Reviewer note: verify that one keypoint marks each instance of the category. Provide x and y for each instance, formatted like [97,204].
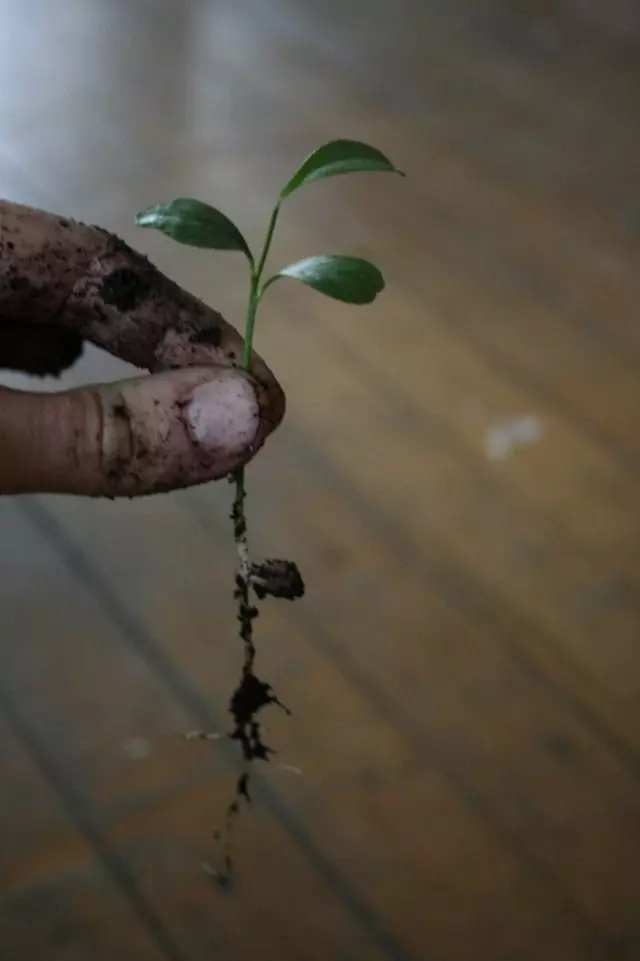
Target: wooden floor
[459,781]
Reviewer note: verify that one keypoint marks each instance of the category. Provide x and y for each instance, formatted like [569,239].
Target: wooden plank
[458,515]
[337,728]
[427,874]
[38,842]
[335,739]
[187,912]
[57,900]
[109,721]
[396,839]
[449,668]
[456,692]
[278,905]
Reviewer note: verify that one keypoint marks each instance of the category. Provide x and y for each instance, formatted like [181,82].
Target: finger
[135,437]
[85,279]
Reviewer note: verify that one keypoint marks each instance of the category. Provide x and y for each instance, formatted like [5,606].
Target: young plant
[348,279]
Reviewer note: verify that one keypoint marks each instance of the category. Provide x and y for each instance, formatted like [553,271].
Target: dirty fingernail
[223,414]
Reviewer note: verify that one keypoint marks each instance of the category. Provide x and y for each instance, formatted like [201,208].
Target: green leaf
[349,279]
[194,223]
[338,157]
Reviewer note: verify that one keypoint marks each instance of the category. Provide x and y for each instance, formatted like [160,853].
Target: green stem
[252,308]
[238,513]
[267,242]
[255,292]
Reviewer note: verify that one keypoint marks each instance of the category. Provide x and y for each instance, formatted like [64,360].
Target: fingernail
[223,414]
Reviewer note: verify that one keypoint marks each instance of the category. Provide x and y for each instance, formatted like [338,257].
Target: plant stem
[252,307]
[255,293]
[267,241]
[246,610]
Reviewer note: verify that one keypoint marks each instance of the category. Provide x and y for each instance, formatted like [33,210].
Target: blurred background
[457,479]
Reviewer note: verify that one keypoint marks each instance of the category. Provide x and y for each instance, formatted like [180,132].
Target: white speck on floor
[502,439]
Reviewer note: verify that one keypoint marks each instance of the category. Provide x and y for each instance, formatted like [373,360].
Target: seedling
[347,279]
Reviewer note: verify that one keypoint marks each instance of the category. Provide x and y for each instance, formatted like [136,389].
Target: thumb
[140,436]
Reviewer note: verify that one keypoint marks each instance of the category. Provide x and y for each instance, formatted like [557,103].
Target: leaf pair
[349,279]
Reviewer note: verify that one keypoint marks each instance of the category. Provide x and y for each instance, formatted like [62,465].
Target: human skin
[197,418]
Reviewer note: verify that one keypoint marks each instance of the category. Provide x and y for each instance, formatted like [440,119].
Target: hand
[196,418]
